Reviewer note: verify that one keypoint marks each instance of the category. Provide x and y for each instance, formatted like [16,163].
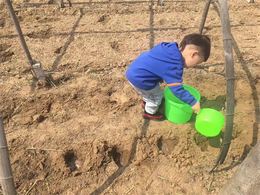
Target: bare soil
[84,134]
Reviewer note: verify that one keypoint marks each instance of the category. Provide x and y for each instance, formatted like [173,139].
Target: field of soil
[84,133]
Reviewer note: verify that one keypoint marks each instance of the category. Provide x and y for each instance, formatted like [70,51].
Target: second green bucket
[176,110]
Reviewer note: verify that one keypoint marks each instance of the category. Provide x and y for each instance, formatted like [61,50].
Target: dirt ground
[84,133]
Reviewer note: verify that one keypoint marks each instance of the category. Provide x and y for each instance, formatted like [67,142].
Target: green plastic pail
[209,122]
[176,110]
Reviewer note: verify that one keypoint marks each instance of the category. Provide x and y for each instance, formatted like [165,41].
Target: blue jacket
[165,62]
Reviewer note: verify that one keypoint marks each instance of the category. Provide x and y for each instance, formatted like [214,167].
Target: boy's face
[192,57]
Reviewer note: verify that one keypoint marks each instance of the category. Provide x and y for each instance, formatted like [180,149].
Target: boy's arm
[196,107]
[174,80]
[186,97]
[182,94]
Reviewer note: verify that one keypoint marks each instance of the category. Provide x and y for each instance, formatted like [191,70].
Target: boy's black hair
[202,41]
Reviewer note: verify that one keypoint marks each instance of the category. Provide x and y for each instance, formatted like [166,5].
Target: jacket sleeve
[183,94]
[174,80]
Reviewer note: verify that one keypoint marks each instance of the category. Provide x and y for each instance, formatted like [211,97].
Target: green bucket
[176,110]
[209,122]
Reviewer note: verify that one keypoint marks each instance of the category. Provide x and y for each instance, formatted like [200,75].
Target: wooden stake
[204,16]
[6,176]
[246,179]
[230,84]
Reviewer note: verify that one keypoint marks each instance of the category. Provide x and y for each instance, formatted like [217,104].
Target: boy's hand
[196,107]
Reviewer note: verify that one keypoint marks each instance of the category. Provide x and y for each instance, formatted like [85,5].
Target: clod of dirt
[38,118]
[115,45]
[2,22]
[60,50]
[72,161]
[42,84]
[167,145]
[5,55]
[103,18]
[4,47]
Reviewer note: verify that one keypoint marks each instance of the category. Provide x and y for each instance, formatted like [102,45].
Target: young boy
[166,62]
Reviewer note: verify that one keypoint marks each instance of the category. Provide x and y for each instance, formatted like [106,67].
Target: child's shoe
[157,116]
[143,104]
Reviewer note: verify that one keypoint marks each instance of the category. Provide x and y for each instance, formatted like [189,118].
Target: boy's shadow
[217,104]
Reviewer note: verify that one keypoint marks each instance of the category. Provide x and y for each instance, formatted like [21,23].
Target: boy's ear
[194,53]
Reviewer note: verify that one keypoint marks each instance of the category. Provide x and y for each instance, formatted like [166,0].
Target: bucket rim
[220,115]
[183,102]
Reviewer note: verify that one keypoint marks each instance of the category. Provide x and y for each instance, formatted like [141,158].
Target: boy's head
[195,48]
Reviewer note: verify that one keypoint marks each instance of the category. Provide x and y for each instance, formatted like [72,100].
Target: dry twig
[40,178]
[162,178]
[32,186]
[129,190]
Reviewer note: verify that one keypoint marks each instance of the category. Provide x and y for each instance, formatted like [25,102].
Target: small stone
[212,69]
[38,118]
[76,173]
[95,150]
[78,164]
[26,120]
